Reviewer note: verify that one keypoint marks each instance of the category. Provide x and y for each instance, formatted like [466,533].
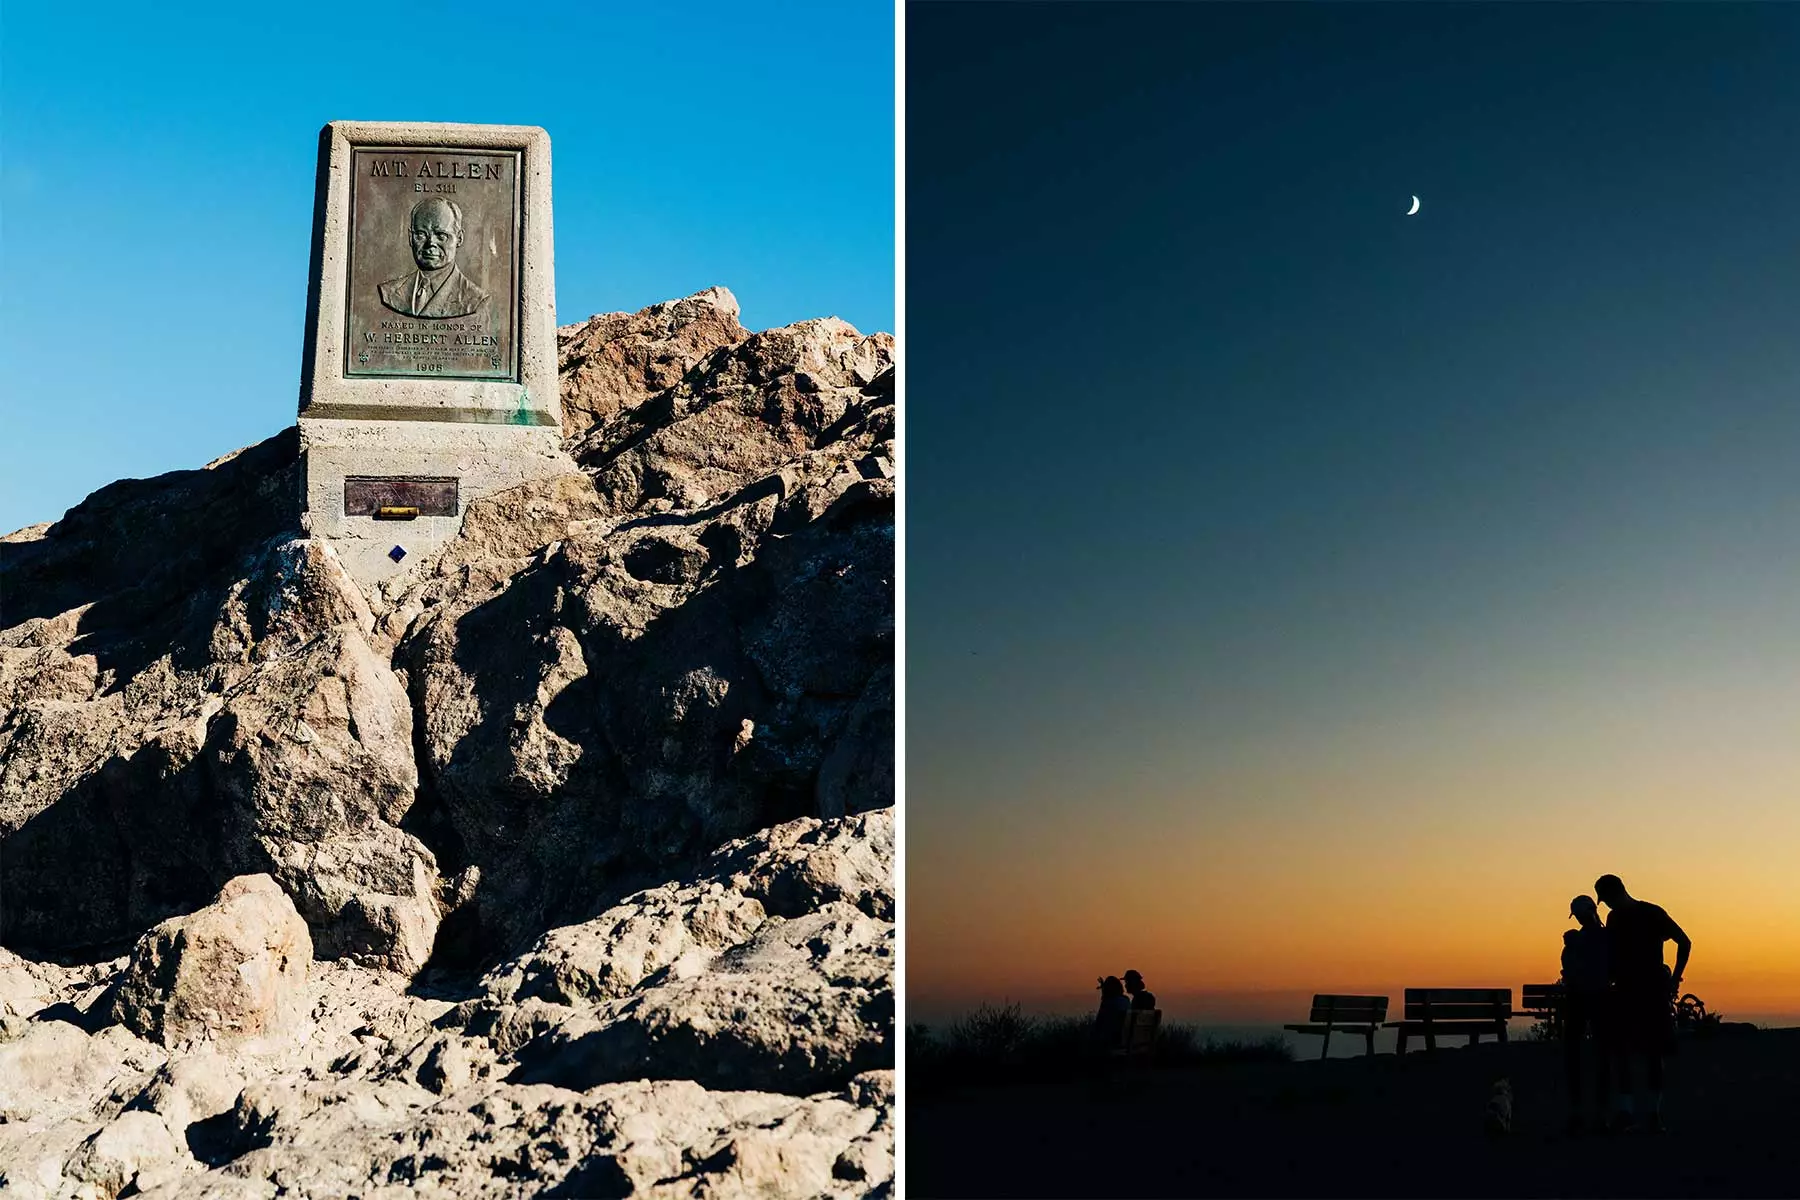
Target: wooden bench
[1347,1014]
[1437,1011]
[1541,1002]
[1138,1037]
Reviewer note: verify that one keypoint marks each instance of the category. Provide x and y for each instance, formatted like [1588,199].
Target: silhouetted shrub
[1183,1046]
[992,1033]
[1000,1044]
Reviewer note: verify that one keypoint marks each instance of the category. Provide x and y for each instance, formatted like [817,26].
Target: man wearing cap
[1642,989]
[1585,979]
[1141,996]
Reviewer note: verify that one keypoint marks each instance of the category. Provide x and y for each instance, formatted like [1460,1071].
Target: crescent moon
[1414,208]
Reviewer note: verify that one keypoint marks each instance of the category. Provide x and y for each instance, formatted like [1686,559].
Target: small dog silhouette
[1500,1107]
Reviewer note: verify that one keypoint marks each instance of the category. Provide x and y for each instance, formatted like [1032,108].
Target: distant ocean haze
[1246,1014]
[1251,1017]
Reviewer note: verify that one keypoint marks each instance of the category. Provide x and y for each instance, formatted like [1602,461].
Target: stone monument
[429,378]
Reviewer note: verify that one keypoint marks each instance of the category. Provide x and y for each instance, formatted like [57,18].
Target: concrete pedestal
[483,459]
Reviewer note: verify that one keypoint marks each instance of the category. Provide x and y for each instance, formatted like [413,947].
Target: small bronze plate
[366,496]
[434,264]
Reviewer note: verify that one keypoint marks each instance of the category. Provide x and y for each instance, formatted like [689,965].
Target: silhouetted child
[1585,975]
[1141,996]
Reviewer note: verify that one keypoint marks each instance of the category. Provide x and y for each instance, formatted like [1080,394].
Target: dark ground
[1366,1127]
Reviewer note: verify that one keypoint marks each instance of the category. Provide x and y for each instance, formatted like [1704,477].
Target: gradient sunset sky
[1307,597]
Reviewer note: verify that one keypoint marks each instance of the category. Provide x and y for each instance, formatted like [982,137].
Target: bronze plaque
[434,264]
[366,495]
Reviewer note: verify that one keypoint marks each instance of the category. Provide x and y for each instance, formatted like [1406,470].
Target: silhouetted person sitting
[1109,1022]
[1585,978]
[1642,990]
[1141,996]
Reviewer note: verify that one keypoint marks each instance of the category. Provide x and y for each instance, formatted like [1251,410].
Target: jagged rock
[271,738]
[312,756]
[745,411]
[616,361]
[193,1088]
[235,969]
[697,983]
[758,1033]
[662,1139]
[135,1148]
[57,1069]
[22,992]
[648,932]
[806,864]
[391,1091]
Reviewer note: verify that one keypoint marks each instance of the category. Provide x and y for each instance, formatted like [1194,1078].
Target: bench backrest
[1458,1004]
[1140,1030]
[1349,1010]
[1540,997]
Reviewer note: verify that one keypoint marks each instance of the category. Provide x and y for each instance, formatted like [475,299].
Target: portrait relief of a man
[438,288]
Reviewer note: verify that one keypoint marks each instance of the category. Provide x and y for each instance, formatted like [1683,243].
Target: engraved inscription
[434,264]
[367,495]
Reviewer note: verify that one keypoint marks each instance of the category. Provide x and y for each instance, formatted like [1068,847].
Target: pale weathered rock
[235,969]
[762,1033]
[56,1073]
[803,865]
[392,1093]
[192,1088]
[135,1144]
[696,983]
[272,739]
[612,954]
[22,992]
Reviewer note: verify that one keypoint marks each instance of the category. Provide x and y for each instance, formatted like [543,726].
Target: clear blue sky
[156,177]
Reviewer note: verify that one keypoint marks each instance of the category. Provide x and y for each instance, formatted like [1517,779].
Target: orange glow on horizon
[1327,906]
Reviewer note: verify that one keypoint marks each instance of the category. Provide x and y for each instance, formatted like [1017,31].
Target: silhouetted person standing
[1109,1022]
[1141,996]
[1586,975]
[1642,990]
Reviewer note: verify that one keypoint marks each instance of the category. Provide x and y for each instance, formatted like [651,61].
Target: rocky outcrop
[619,757]
[710,982]
[686,1042]
[616,361]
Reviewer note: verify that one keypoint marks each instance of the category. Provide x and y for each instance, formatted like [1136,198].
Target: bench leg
[1326,1044]
[1430,1041]
[1475,1038]
[1400,1046]
[1370,1039]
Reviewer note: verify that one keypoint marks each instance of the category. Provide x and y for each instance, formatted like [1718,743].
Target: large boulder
[234,970]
